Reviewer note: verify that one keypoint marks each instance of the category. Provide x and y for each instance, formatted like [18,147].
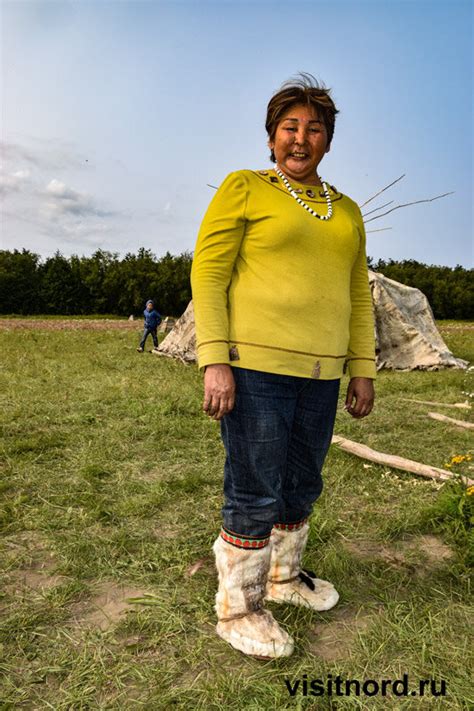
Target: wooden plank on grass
[451,420]
[462,405]
[392,460]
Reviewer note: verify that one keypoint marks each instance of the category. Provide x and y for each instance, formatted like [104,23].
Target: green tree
[94,272]
[60,285]
[19,282]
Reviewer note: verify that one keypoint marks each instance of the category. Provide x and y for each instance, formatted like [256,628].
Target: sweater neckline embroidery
[311,192]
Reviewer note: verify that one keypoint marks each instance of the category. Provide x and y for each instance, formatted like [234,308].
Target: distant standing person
[152,320]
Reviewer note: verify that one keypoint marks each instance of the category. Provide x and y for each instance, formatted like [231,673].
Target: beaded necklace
[301,202]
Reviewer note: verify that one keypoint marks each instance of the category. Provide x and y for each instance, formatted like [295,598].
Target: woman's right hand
[219,390]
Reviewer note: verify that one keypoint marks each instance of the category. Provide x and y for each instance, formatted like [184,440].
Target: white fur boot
[242,621]
[287,581]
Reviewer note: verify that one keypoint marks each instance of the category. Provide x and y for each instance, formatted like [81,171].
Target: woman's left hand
[362,391]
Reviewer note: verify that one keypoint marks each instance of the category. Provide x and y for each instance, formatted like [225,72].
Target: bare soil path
[69,324]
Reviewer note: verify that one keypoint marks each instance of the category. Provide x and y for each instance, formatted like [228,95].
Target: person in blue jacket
[152,320]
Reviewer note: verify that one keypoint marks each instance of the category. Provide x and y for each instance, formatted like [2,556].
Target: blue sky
[116,115]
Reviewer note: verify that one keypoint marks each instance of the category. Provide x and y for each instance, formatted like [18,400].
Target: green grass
[111,480]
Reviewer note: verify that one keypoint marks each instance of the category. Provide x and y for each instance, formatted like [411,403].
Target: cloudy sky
[116,115]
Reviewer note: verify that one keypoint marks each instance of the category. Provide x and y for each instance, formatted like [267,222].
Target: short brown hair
[303,90]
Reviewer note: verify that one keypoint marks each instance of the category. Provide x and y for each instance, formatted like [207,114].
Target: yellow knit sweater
[276,289]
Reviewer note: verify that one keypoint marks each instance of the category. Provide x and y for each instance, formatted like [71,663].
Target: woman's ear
[271,145]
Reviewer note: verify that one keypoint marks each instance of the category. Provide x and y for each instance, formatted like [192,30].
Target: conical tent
[405,331]
[180,343]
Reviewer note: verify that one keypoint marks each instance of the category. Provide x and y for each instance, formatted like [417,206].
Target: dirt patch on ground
[37,578]
[73,324]
[30,541]
[34,562]
[107,606]
[419,554]
[432,547]
[334,640]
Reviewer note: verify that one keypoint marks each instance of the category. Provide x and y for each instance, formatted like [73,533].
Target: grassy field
[110,501]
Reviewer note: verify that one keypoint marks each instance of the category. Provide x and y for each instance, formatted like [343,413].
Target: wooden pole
[451,420]
[392,460]
[461,405]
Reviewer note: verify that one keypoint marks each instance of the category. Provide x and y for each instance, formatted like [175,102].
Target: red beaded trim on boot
[290,526]
[240,541]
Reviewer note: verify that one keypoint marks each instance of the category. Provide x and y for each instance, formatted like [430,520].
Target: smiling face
[300,143]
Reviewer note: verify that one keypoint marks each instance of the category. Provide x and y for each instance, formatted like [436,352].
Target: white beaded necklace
[301,202]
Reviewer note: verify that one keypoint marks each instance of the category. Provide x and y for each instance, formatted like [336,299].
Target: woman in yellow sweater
[282,309]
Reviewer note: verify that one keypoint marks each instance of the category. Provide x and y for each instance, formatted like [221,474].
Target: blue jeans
[276,439]
[146,331]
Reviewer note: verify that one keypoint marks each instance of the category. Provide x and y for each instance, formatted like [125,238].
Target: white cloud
[13,182]
[47,211]
[90,234]
[51,205]
[48,154]
[64,200]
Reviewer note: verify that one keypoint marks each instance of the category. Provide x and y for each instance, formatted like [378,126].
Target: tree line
[100,284]
[104,283]
[449,290]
